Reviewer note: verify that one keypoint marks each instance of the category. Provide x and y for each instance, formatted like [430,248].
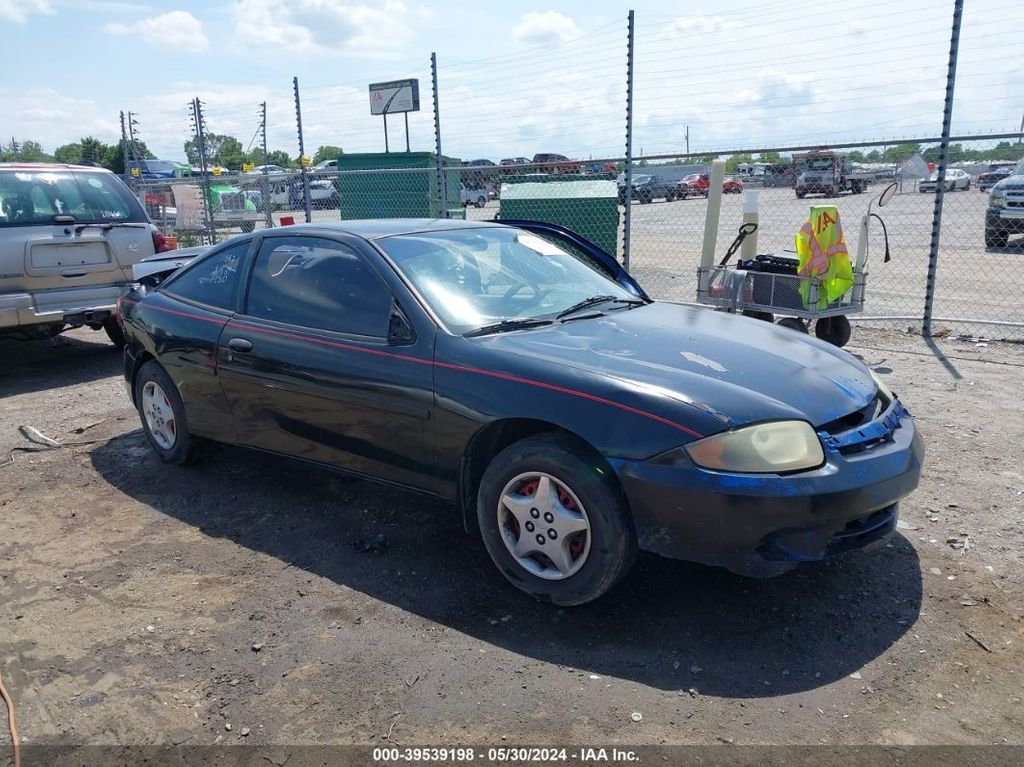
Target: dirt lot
[149,604]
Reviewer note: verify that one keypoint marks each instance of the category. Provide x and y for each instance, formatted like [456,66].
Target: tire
[599,543]
[801,195]
[247,227]
[836,330]
[763,316]
[157,394]
[114,332]
[480,202]
[793,323]
[669,197]
[996,238]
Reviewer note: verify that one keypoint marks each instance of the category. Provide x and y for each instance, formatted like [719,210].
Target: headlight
[997,198]
[774,447]
[882,387]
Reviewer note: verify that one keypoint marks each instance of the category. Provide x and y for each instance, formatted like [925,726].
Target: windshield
[820,165]
[30,198]
[162,166]
[476,277]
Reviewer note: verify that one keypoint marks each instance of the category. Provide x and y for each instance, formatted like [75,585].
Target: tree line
[225,151]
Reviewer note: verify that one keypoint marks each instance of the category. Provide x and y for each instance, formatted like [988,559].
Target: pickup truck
[828,173]
[1005,214]
[648,188]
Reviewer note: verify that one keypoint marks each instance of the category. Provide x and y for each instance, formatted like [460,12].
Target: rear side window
[318,283]
[213,281]
[33,197]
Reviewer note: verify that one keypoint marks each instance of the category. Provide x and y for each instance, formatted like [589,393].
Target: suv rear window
[30,197]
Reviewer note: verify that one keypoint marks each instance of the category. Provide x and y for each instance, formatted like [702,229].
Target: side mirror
[886,196]
[400,330]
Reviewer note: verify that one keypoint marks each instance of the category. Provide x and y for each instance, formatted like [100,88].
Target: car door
[312,367]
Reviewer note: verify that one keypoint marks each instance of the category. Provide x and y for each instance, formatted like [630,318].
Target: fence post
[629,144]
[268,204]
[197,116]
[302,153]
[442,179]
[947,119]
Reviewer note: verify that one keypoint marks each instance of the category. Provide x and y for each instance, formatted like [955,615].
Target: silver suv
[68,238]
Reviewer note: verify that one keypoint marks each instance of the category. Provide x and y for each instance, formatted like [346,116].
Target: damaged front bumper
[763,524]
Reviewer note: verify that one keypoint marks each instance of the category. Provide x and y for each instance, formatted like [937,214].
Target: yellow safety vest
[821,250]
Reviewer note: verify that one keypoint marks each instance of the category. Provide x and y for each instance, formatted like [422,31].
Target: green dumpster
[395,185]
[588,207]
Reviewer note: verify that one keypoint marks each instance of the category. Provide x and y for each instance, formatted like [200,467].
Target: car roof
[49,166]
[376,228]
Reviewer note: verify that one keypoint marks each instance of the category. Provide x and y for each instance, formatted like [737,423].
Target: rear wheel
[763,316]
[556,526]
[114,332]
[835,330]
[163,414]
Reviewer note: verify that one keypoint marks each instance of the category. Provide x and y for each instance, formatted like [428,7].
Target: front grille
[886,417]
[866,414]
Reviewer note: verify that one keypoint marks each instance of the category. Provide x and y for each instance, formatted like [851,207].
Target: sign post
[395,96]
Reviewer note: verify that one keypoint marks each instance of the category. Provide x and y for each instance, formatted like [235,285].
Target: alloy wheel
[159,415]
[544,526]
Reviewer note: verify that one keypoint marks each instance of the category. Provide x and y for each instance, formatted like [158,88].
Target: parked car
[69,236]
[990,178]
[476,197]
[515,161]
[1005,213]
[700,183]
[270,169]
[150,170]
[955,179]
[152,270]
[483,363]
[556,163]
[647,188]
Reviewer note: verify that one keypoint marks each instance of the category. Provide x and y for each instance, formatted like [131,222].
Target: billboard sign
[395,96]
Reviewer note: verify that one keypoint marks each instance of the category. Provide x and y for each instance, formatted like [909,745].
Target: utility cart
[768,286]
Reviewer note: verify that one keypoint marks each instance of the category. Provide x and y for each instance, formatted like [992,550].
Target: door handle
[240,345]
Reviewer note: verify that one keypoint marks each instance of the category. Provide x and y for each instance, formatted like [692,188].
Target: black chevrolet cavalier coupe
[516,370]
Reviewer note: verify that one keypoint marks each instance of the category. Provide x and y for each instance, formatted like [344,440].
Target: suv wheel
[556,528]
[114,332]
[996,238]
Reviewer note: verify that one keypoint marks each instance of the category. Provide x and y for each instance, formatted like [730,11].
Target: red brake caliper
[577,543]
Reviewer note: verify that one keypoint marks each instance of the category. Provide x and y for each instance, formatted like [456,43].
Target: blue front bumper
[762,524]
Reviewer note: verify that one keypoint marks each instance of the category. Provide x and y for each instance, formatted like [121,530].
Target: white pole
[750,216]
[707,255]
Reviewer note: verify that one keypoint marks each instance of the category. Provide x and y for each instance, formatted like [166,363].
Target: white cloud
[324,26]
[706,24]
[18,11]
[778,91]
[178,30]
[545,28]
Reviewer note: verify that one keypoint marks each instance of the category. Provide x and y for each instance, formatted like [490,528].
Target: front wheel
[163,414]
[480,202]
[995,238]
[793,323]
[555,525]
[836,330]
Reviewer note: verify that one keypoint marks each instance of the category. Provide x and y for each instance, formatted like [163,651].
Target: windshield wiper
[507,325]
[586,303]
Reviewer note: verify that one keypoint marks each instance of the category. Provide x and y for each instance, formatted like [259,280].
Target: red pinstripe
[435,363]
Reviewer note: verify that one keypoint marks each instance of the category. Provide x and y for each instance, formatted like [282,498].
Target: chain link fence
[978,284]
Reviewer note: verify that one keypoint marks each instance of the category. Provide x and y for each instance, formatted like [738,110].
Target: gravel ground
[148,604]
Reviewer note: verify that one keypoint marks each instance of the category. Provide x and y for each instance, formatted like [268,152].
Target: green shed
[589,207]
[395,185]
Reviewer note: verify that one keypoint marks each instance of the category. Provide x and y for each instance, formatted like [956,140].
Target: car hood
[1011,184]
[739,370]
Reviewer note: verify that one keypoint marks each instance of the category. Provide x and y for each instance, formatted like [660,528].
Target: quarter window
[213,281]
[318,283]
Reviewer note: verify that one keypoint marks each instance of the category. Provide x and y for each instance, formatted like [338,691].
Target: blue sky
[516,78]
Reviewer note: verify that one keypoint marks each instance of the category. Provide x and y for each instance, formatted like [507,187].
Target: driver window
[318,283]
